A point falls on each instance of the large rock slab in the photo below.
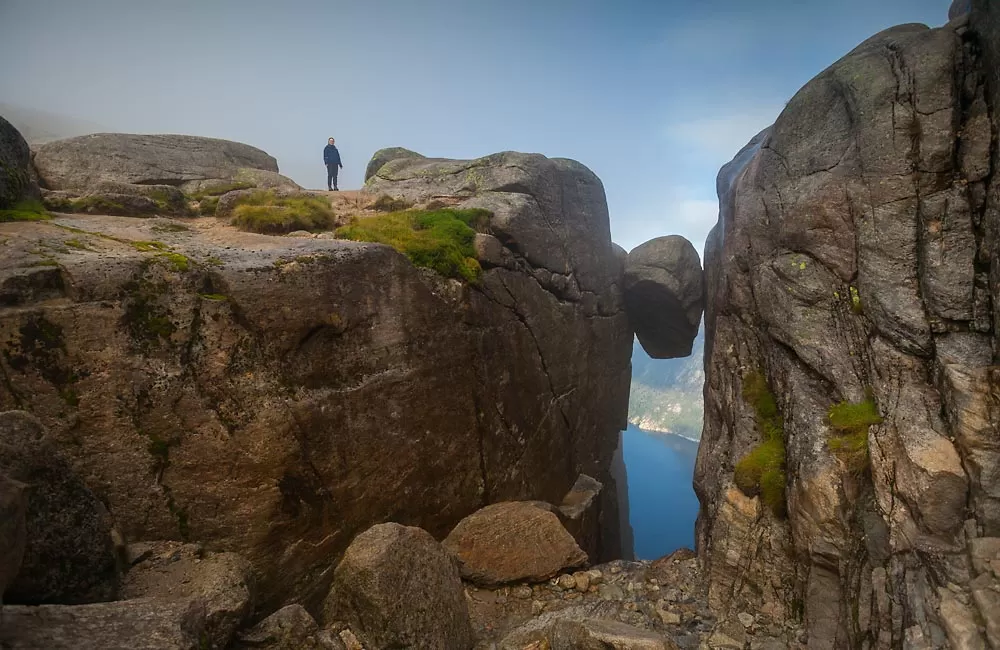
(84, 161)
(398, 588)
(15, 167)
(173, 571)
(511, 542)
(240, 390)
(383, 156)
(148, 623)
(13, 503)
(69, 555)
(664, 295)
(289, 628)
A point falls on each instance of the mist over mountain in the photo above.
(666, 394)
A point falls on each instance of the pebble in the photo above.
(611, 592)
(668, 617)
(522, 591)
(582, 582)
(745, 619)
(616, 569)
(566, 581)
(350, 640)
(596, 577)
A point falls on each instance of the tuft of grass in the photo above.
(386, 203)
(850, 422)
(218, 190)
(77, 244)
(170, 226)
(265, 212)
(149, 246)
(436, 239)
(180, 263)
(856, 305)
(95, 205)
(27, 210)
(762, 471)
(208, 205)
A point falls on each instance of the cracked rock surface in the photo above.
(855, 261)
(275, 396)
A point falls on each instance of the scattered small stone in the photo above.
(746, 619)
(611, 592)
(596, 577)
(350, 640)
(567, 581)
(668, 617)
(582, 581)
(522, 591)
(615, 569)
(631, 606)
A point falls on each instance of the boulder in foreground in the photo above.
(400, 589)
(512, 541)
(69, 555)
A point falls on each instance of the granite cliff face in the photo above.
(849, 469)
(276, 396)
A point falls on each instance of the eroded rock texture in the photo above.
(856, 261)
(276, 396)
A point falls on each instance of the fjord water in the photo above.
(662, 503)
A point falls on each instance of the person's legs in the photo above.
(331, 173)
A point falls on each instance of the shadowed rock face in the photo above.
(856, 261)
(275, 396)
(15, 166)
(664, 295)
(84, 161)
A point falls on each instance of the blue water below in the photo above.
(662, 503)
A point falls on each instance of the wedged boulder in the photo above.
(13, 503)
(383, 156)
(664, 295)
(172, 571)
(510, 542)
(85, 161)
(289, 628)
(147, 623)
(69, 555)
(398, 588)
(15, 167)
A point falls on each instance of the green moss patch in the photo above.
(95, 205)
(762, 471)
(267, 213)
(179, 262)
(436, 239)
(29, 210)
(849, 422)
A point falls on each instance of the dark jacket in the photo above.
(331, 156)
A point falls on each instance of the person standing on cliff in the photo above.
(331, 157)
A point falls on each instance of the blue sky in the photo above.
(653, 96)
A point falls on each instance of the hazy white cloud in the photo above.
(721, 137)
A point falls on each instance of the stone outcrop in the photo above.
(242, 391)
(15, 167)
(382, 156)
(171, 571)
(397, 588)
(512, 541)
(148, 623)
(850, 320)
(69, 555)
(664, 295)
(289, 628)
(82, 162)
